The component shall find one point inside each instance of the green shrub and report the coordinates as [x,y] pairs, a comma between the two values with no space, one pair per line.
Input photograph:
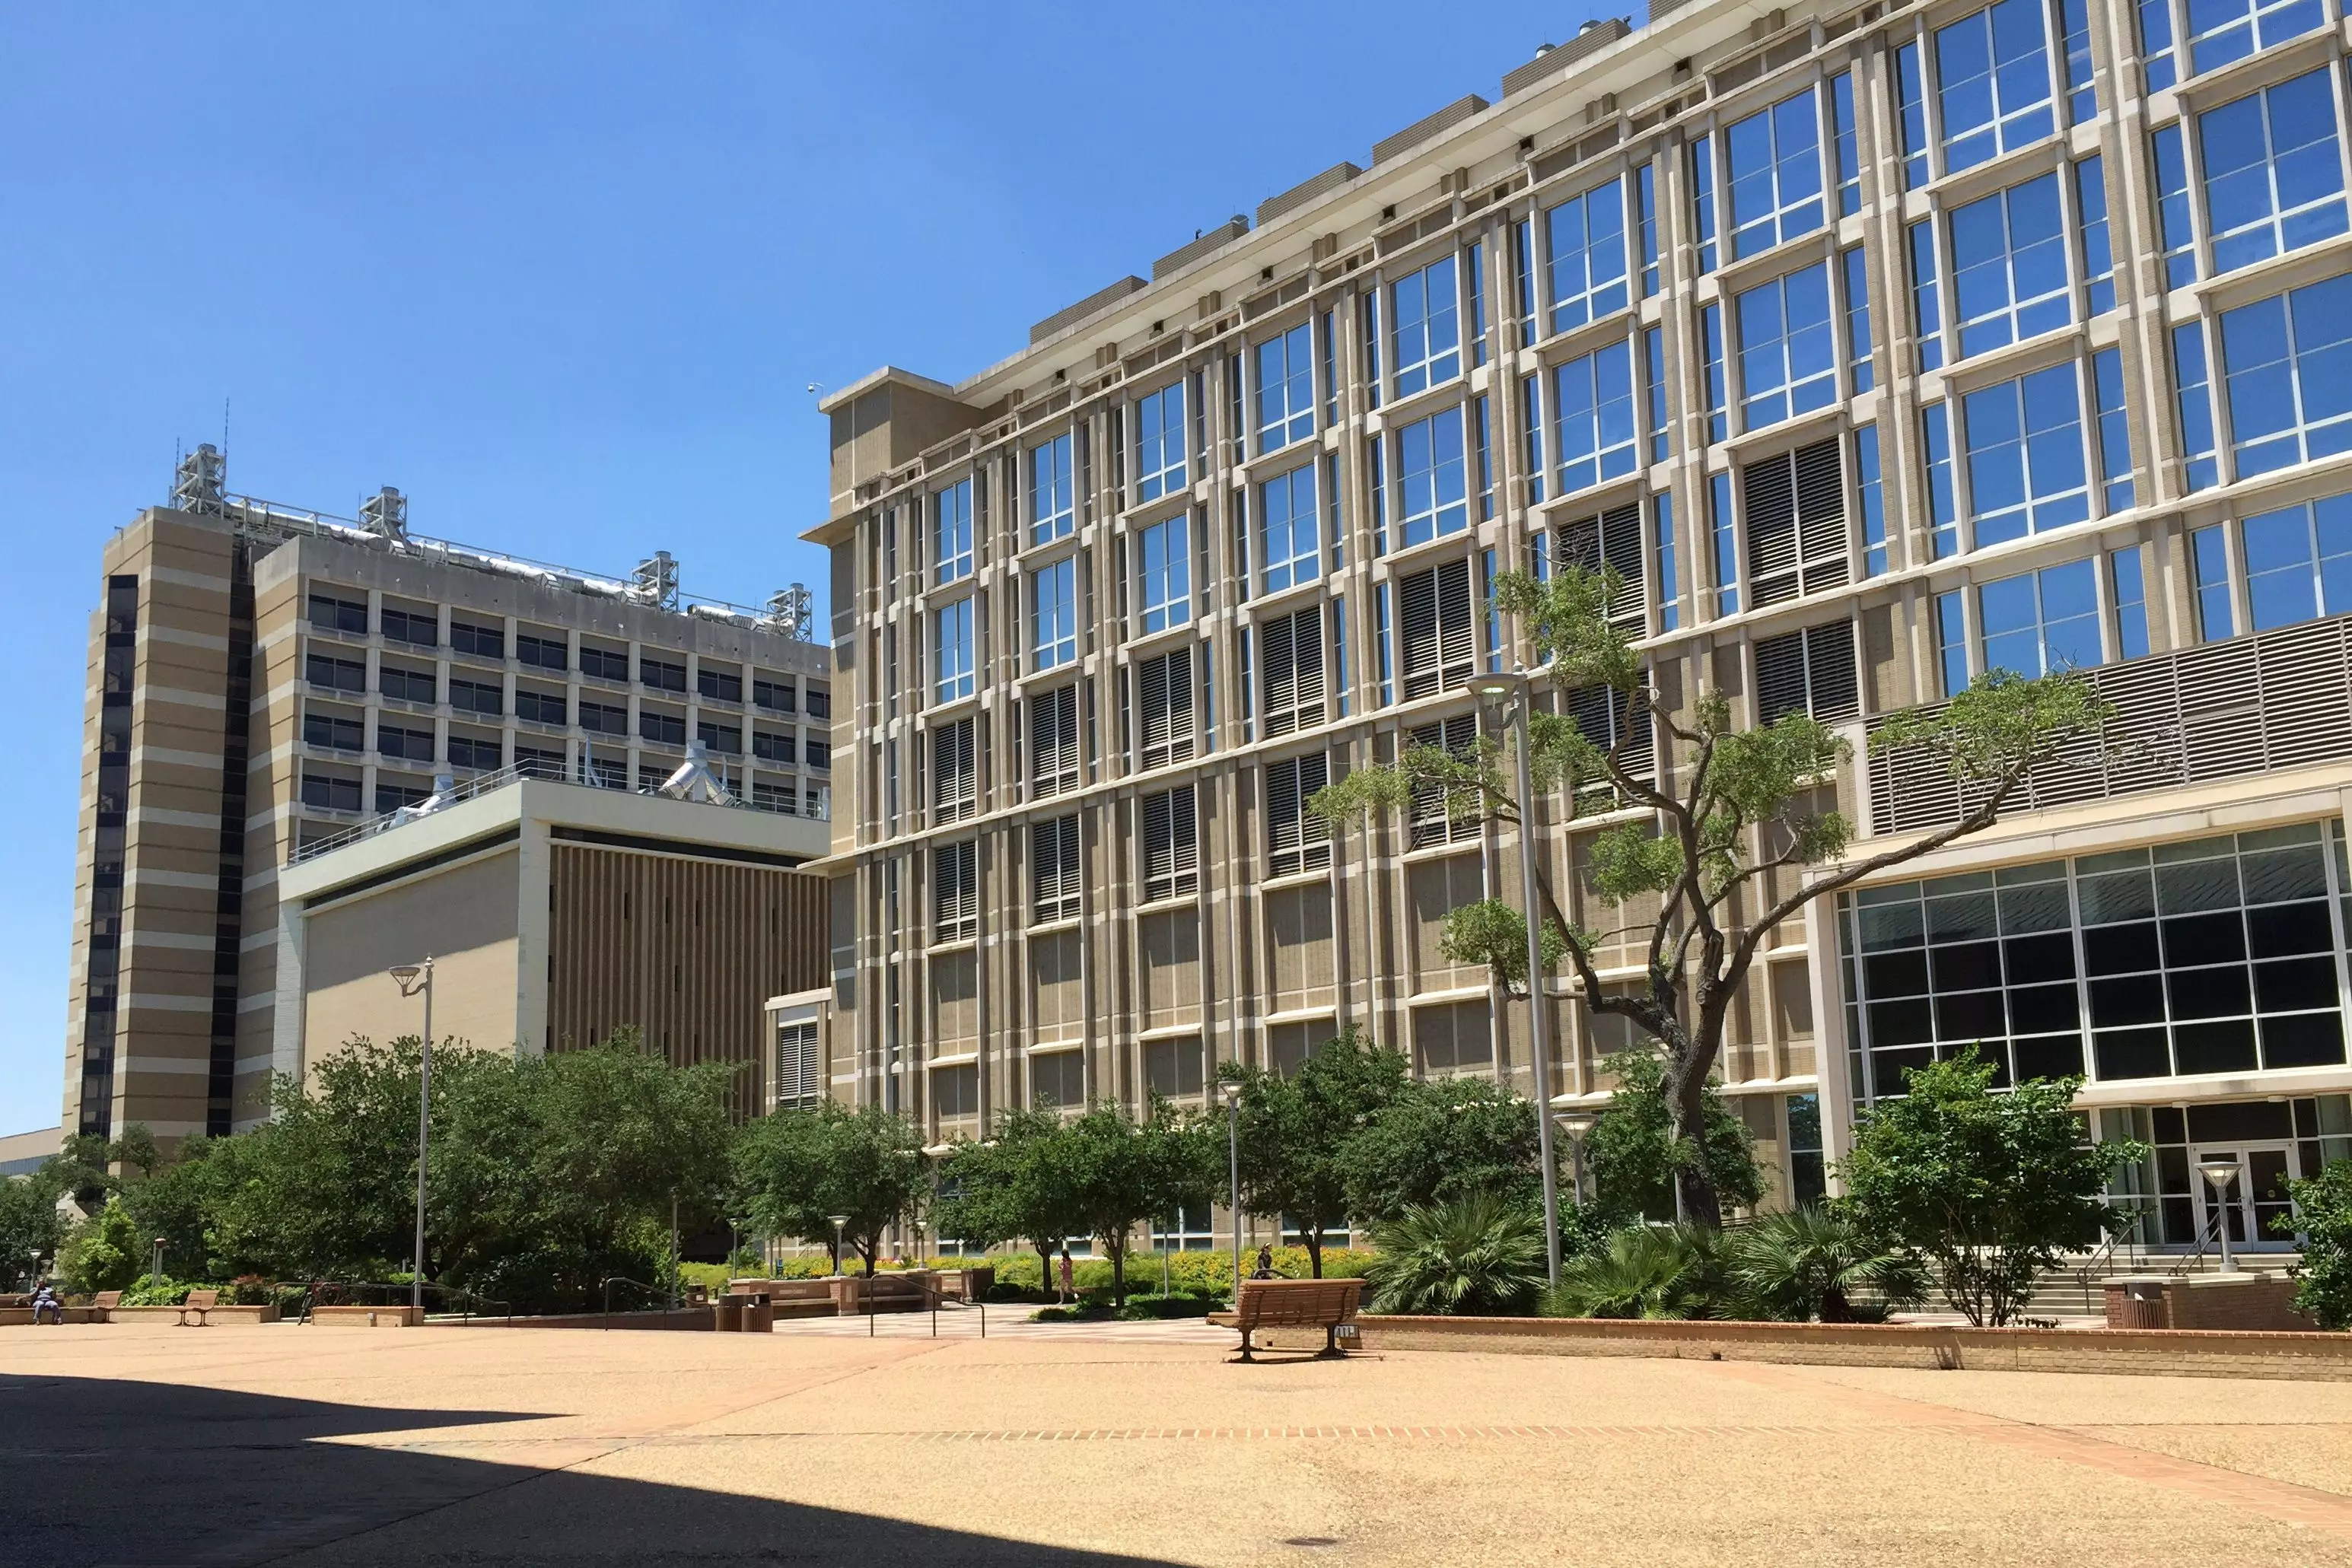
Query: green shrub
[104,1253]
[1478,1254]
[1642,1271]
[1809,1263]
[1150,1308]
[151,1291]
[2323,1211]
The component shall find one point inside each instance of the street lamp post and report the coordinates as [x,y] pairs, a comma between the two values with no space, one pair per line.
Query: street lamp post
[412,980]
[155,1272]
[1233,1192]
[839,1221]
[1515,686]
[936,1154]
[1576,1124]
[2223,1175]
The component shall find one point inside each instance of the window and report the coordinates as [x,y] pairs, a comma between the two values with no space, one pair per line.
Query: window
[2286,366]
[1454,1038]
[1057,1078]
[2115,431]
[1163,701]
[661,674]
[1054,614]
[1285,388]
[481,641]
[1794,506]
[603,664]
[408,685]
[482,753]
[2131,602]
[538,762]
[329,614]
[662,728]
[1175,1068]
[2214,956]
[1616,722]
[418,628]
[1871,492]
[2040,622]
[1702,164]
[1053,502]
[800,1071]
[774,694]
[717,683]
[1811,672]
[1440,635]
[2218,32]
[2274,172]
[1609,542]
[725,739]
[952,642]
[2082,101]
[1856,265]
[1432,821]
[1807,1179]
[1430,482]
[820,755]
[1788,350]
[2009,266]
[1992,82]
[1776,176]
[1295,840]
[2026,473]
[820,703]
[405,745]
[1160,428]
[775,746]
[1290,666]
[1711,332]
[394,791]
[1483,446]
[603,718]
[1849,162]
[331,730]
[1531,416]
[1727,544]
[335,675]
[1054,742]
[1927,298]
[1056,871]
[782,799]
[2174,212]
[1289,554]
[1911,110]
[1426,326]
[478,696]
[1592,404]
[2192,376]
[955,782]
[2210,561]
[951,533]
[1171,845]
[330,791]
[2098,248]
[1653,375]
[545,653]
[2298,562]
[1585,238]
[1645,208]
[955,891]
[1670,593]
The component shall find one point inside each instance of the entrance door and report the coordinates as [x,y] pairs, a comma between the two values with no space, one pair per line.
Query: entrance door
[2252,1201]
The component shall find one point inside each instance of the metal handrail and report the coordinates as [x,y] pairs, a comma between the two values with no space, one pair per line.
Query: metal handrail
[612,1279]
[324,1292]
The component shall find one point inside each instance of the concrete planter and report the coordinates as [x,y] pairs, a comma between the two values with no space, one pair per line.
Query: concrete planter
[367,1317]
[2156,1353]
[262,1314]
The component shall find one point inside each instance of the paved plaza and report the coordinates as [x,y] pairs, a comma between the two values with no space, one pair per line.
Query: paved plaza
[1138,1444]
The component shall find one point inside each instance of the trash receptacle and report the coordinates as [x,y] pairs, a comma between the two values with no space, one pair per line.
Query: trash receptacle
[728,1313]
[759,1315]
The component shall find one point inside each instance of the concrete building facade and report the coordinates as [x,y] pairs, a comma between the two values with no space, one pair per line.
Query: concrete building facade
[556,914]
[262,679]
[1875,347]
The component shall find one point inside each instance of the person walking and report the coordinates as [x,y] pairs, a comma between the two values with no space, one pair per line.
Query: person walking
[1066,1290]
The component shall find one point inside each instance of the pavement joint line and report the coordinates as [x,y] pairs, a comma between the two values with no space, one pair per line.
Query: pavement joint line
[1151,1434]
[2286,1501]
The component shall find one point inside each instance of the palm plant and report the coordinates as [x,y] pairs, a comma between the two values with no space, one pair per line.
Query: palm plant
[1642,1271]
[1475,1254]
[1811,1262]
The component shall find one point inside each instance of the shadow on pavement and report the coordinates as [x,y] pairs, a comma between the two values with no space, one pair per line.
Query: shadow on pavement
[99,1471]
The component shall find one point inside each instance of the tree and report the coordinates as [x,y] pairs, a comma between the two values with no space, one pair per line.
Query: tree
[1015,1186]
[2323,1213]
[105,1252]
[1988,1188]
[78,1170]
[1634,1152]
[1292,1133]
[1478,1253]
[1730,814]
[29,1226]
[796,1169]
[175,1202]
[1438,1141]
[1811,1262]
[1121,1172]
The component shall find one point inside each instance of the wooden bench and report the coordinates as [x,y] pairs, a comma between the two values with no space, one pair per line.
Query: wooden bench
[1327,1304]
[200,1302]
[103,1303]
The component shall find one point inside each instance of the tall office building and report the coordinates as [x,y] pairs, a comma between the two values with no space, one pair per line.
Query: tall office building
[1874,347]
[262,679]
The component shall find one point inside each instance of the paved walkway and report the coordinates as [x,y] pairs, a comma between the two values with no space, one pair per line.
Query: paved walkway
[1006,1322]
[1091,1444]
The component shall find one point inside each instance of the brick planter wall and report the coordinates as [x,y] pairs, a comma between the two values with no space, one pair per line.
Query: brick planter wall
[2169,1352]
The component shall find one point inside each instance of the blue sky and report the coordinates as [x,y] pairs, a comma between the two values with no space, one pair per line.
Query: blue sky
[561,272]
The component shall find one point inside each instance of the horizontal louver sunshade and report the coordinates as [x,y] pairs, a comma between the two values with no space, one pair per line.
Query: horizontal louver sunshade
[1054,742]
[1055,868]
[1172,859]
[1294,840]
[954,785]
[1795,511]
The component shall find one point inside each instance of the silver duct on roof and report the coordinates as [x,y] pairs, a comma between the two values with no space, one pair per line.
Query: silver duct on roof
[444,787]
[694,779]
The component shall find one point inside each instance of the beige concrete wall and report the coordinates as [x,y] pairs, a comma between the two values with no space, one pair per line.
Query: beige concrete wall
[464,917]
